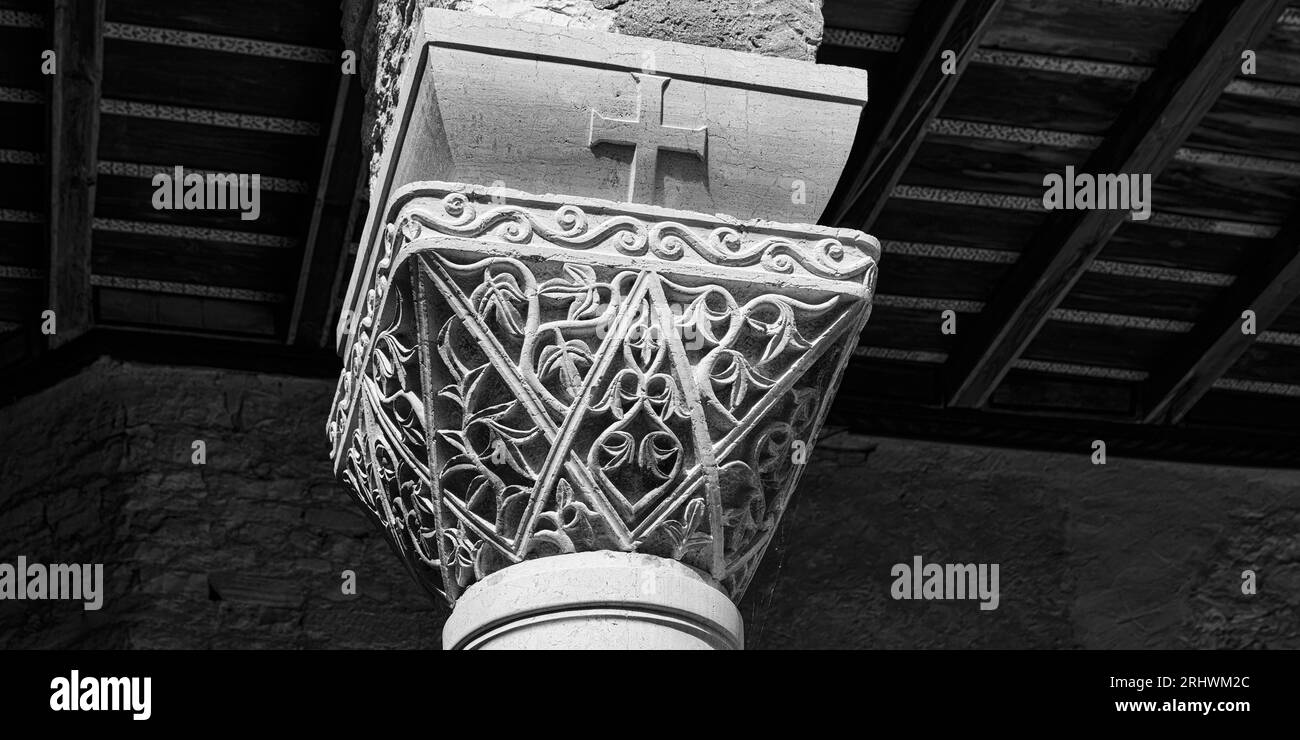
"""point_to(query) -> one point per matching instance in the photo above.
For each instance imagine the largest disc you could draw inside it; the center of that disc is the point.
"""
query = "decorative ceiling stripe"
(1068, 140)
(270, 124)
(935, 304)
(21, 217)
(21, 95)
(862, 39)
(1267, 90)
(1166, 274)
(21, 273)
(19, 19)
(1290, 18)
(1126, 321)
(1238, 161)
(1257, 386)
(147, 171)
(17, 156)
(904, 355)
(1062, 65)
(1180, 6)
(967, 198)
(1279, 337)
(1089, 371)
(1211, 226)
(1021, 203)
(1017, 134)
(943, 251)
(8, 326)
(1070, 65)
(215, 42)
(145, 228)
(190, 289)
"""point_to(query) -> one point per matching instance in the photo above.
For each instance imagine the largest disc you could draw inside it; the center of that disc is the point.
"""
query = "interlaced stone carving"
(535, 376)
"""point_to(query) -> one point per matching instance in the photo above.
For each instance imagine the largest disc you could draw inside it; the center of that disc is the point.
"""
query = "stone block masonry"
(247, 550)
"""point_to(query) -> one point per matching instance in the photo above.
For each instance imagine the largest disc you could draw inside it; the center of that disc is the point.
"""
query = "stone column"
(577, 397)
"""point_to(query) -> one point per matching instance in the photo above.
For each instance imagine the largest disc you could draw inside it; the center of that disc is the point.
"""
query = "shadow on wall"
(248, 550)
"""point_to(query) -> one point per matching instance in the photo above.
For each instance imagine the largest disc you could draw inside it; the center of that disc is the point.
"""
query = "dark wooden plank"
(21, 187)
(1278, 57)
(347, 256)
(957, 225)
(1038, 99)
(304, 22)
(1289, 319)
(199, 78)
(1230, 442)
(1139, 296)
(1197, 66)
(23, 125)
(1141, 243)
(1272, 284)
(1086, 29)
(903, 274)
(889, 133)
(160, 310)
(987, 166)
(131, 198)
(909, 329)
(23, 245)
(1100, 345)
(1042, 393)
(20, 57)
(327, 238)
(1226, 193)
(1250, 125)
(877, 63)
(1261, 413)
(78, 30)
(892, 381)
(883, 16)
(216, 148)
(1271, 363)
(20, 301)
(192, 261)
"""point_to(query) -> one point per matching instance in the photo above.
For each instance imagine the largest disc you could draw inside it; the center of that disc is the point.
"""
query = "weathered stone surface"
(783, 28)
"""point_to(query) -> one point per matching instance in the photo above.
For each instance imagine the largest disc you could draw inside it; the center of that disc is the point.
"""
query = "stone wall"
(247, 550)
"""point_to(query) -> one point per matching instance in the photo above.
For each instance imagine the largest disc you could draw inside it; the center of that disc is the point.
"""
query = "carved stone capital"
(612, 369)
(537, 375)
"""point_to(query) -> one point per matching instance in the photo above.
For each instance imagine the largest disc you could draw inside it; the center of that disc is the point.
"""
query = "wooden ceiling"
(1071, 325)
(1078, 323)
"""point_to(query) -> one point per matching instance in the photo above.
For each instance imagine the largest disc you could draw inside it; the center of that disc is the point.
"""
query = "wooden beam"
(343, 267)
(78, 35)
(891, 130)
(327, 234)
(1193, 71)
(1217, 342)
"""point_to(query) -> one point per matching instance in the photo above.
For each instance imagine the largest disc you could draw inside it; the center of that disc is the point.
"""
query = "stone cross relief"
(647, 135)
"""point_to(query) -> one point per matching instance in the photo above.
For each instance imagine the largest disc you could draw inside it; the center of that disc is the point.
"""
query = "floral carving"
(504, 404)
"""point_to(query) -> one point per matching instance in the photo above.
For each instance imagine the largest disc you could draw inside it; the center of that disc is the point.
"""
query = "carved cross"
(647, 134)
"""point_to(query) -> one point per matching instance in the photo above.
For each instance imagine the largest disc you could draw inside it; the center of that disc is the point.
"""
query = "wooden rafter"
(886, 142)
(1271, 284)
(327, 236)
(78, 33)
(1193, 71)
